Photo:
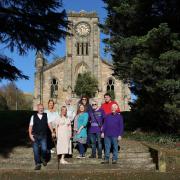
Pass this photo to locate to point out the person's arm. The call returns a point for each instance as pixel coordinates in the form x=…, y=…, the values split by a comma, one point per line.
x=118, y=109
x=85, y=121
x=30, y=129
x=103, y=128
x=51, y=129
x=121, y=127
x=30, y=134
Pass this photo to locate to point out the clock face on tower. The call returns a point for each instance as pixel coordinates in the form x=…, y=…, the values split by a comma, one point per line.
x=82, y=29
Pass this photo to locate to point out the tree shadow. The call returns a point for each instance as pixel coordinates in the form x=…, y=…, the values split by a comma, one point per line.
x=14, y=130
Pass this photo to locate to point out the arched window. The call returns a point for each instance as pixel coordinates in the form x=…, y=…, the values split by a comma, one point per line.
x=110, y=85
x=54, y=88
x=82, y=48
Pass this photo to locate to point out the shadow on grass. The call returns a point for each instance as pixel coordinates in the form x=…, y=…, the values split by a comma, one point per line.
x=13, y=130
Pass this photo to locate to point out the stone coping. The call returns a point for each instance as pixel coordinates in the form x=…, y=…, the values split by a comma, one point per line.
x=174, y=152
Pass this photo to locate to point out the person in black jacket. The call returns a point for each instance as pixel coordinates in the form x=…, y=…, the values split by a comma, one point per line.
x=38, y=128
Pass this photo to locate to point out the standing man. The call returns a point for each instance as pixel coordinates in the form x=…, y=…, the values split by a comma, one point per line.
x=112, y=132
x=106, y=106
x=38, y=128
x=70, y=109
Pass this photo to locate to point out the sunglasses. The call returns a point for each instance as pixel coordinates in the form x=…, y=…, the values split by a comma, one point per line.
x=94, y=104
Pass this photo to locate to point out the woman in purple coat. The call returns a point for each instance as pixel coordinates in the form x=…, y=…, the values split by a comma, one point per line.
x=112, y=132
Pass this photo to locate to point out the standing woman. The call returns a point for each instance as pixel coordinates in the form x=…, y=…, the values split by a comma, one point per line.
x=85, y=101
x=63, y=134
x=52, y=115
x=80, y=129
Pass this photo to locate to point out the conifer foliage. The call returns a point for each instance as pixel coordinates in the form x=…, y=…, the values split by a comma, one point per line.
x=144, y=40
x=29, y=25
x=86, y=85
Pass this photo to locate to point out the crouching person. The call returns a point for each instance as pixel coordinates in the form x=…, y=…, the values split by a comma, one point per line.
x=38, y=128
x=112, y=132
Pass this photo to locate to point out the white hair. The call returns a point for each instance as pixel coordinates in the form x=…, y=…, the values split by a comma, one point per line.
x=114, y=106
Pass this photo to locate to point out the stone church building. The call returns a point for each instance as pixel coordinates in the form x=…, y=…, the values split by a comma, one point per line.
x=57, y=79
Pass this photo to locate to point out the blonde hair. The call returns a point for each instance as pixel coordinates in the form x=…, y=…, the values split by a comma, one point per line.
x=63, y=107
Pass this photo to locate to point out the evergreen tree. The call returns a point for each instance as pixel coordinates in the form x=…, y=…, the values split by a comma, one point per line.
x=144, y=39
x=29, y=25
x=86, y=85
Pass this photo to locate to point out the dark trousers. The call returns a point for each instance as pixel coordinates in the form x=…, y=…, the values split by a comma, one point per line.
x=81, y=148
x=96, y=137
x=40, y=143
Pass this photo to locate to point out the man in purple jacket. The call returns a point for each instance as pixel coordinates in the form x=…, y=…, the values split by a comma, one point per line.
x=112, y=132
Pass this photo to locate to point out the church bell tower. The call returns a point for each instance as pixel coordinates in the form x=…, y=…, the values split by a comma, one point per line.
x=82, y=47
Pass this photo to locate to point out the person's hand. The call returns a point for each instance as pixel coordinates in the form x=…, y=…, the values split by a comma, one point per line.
x=53, y=134
x=102, y=135
x=32, y=138
x=119, y=138
x=79, y=131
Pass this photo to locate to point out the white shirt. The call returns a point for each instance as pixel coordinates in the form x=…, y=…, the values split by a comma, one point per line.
x=70, y=112
x=32, y=119
x=52, y=116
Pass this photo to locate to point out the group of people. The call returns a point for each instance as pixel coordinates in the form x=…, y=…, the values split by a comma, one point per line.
x=90, y=125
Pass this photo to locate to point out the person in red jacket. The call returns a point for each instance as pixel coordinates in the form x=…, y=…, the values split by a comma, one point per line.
x=106, y=106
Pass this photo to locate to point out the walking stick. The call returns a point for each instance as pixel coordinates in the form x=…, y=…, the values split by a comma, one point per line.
x=54, y=141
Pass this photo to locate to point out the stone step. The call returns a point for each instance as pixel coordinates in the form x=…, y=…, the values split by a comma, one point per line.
x=54, y=157
x=89, y=160
x=79, y=167
x=132, y=156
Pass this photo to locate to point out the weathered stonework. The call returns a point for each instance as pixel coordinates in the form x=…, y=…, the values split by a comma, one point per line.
x=82, y=54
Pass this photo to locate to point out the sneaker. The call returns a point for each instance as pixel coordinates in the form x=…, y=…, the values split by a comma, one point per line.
x=114, y=161
x=63, y=162
x=52, y=152
x=81, y=156
x=105, y=162
x=37, y=167
x=92, y=156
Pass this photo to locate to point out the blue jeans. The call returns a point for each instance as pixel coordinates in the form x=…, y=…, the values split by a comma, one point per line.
x=108, y=141
x=96, y=137
x=40, y=142
x=81, y=148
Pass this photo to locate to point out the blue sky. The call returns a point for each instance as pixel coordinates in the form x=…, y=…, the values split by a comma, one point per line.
x=26, y=63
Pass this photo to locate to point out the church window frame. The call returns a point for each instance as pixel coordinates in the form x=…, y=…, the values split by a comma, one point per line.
x=78, y=48
x=110, y=86
x=82, y=48
x=54, y=88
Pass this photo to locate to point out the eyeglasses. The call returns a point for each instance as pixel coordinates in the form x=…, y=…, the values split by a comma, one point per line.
x=94, y=104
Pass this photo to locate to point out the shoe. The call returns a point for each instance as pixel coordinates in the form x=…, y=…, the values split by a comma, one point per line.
x=105, y=162
x=81, y=156
x=44, y=162
x=63, y=162
x=92, y=156
x=114, y=161
x=37, y=167
x=99, y=157
x=52, y=152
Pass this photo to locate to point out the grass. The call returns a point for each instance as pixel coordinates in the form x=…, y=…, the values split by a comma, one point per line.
x=168, y=140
